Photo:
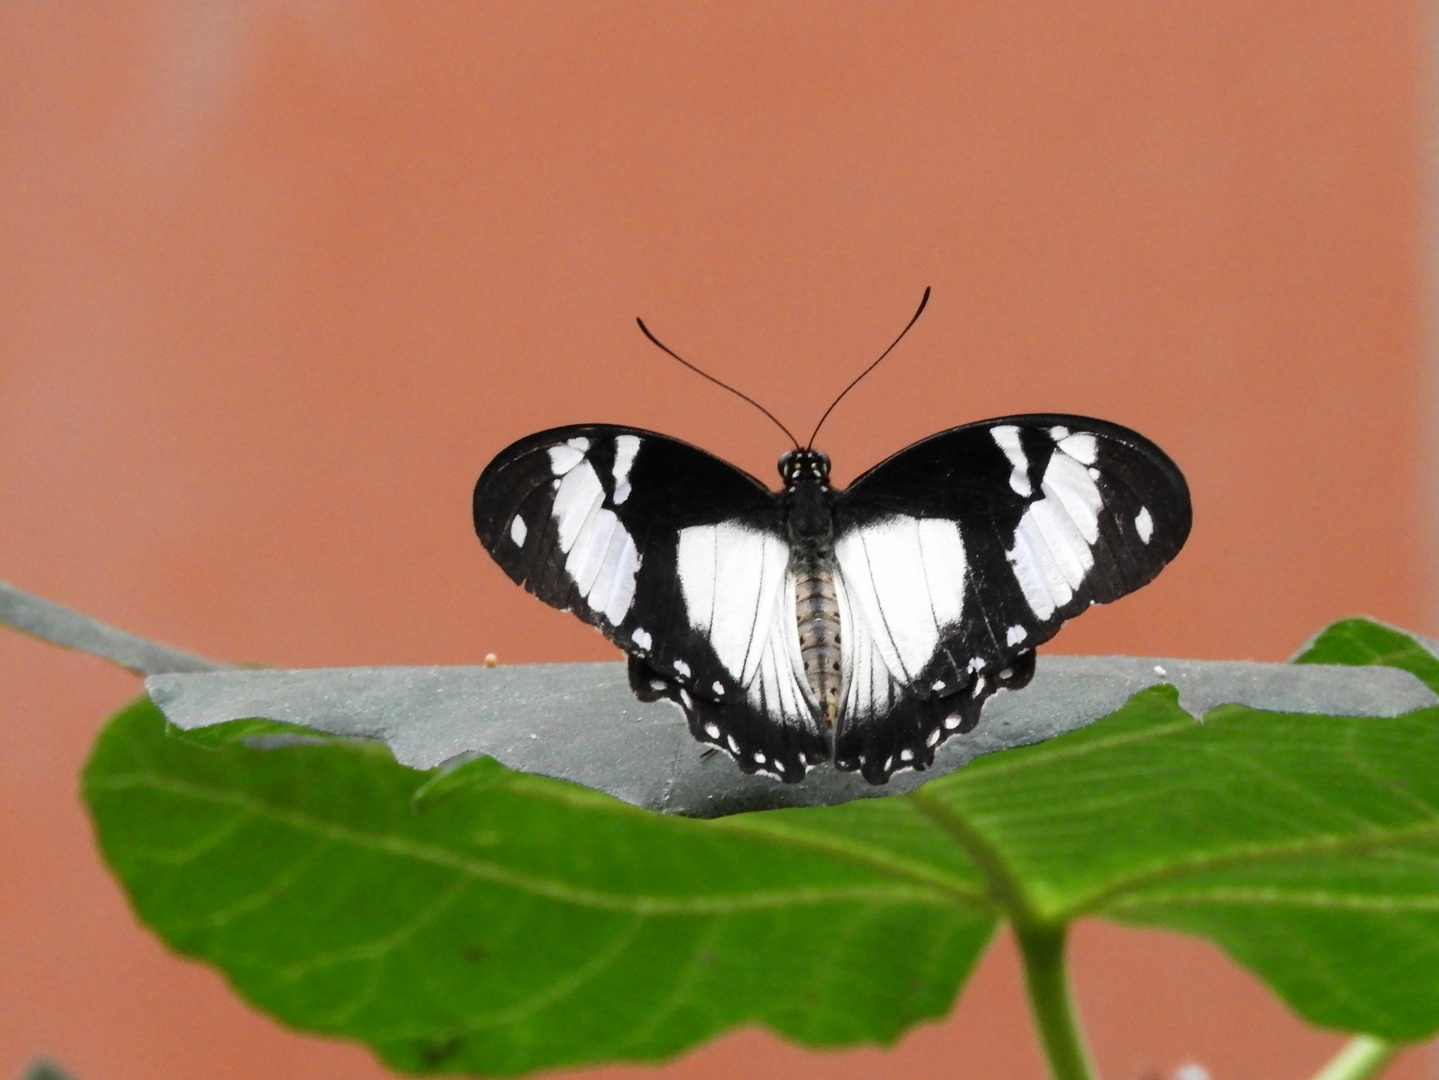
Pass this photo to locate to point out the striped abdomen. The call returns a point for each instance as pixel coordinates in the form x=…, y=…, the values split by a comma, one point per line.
x=817, y=616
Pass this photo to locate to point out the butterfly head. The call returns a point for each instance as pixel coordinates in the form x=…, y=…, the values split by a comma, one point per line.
x=804, y=467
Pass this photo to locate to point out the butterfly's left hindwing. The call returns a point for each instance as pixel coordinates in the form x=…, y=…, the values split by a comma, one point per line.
x=679, y=559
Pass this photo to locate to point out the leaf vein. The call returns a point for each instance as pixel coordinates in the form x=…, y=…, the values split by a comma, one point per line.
x=548, y=888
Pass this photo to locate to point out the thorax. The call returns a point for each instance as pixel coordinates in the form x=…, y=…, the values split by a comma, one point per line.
x=809, y=519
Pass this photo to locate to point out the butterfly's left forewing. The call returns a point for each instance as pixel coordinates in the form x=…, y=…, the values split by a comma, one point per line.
x=960, y=554
x=676, y=557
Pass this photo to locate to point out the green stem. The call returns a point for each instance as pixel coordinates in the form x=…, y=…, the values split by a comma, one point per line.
x=1362, y=1057
x=1049, y=997
x=1040, y=943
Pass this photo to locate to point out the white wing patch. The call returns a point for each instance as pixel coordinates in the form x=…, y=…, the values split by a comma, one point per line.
x=1006, y=436
x=730, y=576
x=900, y=585
x=600, y=554
x=1083, y=448
x=1053, y=545
x=518, y=531
x=869, y=687
x=626, y=447
x=564, y=458
x=782, y=687
x=739, y=592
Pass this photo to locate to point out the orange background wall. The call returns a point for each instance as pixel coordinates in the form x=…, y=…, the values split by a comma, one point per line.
x=277, y=279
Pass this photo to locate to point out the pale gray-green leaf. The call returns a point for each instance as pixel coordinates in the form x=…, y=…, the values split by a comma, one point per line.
x=65, y=627
x=581, y=722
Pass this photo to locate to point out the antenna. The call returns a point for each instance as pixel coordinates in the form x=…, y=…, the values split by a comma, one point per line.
x=674, y=355
x=913, y=319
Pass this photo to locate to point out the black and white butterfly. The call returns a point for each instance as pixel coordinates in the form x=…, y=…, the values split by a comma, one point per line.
x=863, y=625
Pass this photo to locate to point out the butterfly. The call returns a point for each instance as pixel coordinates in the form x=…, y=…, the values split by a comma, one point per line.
x=862, y=625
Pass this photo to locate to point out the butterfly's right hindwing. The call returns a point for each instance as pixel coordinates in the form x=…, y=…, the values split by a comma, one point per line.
x=680, y=560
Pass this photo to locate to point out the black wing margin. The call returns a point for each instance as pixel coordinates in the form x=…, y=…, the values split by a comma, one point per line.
x=589, y=518
x=1049, y=514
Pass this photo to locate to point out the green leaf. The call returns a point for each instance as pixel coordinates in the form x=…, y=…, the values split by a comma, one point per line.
x=501, y=923
x=495, y=922
x=1306, y=846
x=1361, y=642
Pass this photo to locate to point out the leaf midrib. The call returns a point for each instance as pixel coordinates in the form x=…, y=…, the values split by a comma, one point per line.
x=926, y=892
x=862, y=855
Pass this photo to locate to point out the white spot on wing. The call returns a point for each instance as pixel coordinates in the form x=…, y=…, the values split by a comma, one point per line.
x=712, y=730
x=577, y=497
x=518, y=531
x=681, y=669
x=1083, y=448
x=641, y=637
x=564, y=458
x=1075, y=489
x=1144, y=524
x=1015, y=635
x=614, y=588
x=1006, y=436
x=951, y=722
x=626, y=447
x=718, y=687
x=1030, y=567
x=587, y=556
x=600, y=555
x=1052, y=552
x=1058, y=434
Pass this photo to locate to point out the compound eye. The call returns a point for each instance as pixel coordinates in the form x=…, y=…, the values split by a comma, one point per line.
x=821, y=464
x=786, y=460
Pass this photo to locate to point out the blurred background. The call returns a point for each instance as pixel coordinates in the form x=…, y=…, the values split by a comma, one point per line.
x=278, y=278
